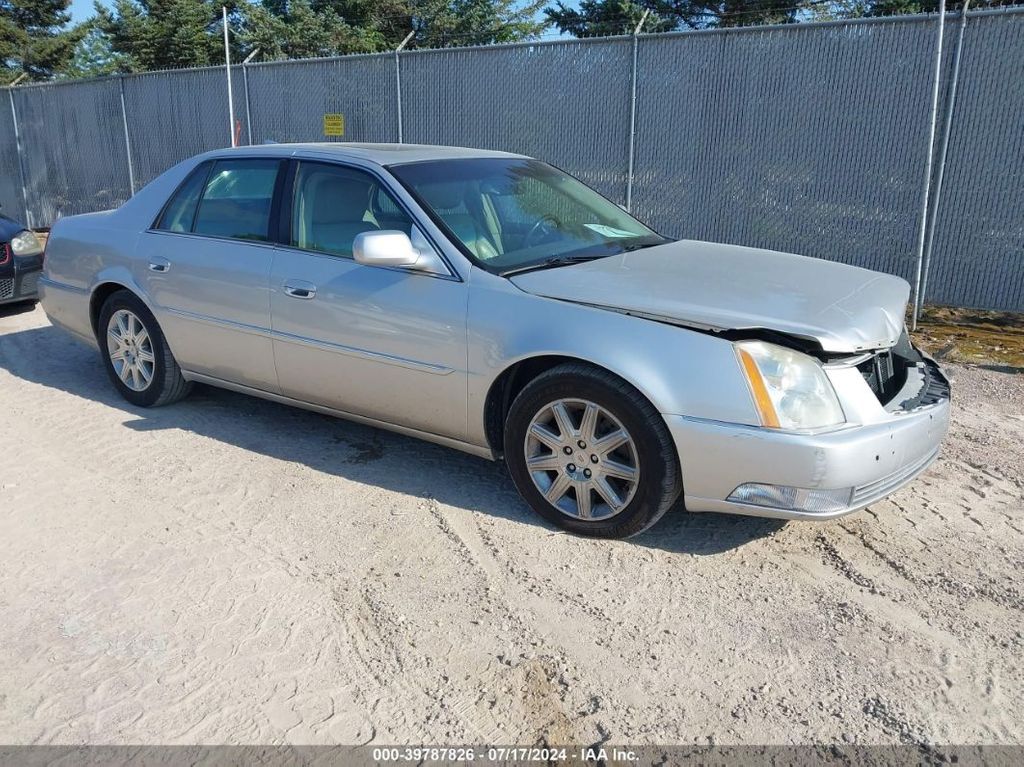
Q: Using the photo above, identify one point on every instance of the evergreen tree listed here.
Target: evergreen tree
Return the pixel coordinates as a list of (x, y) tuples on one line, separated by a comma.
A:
[(598, 18), (93, 57), (34, 38), (620, 17), (170, 34), (301, 28), (444, 23), (297, 29), (166, 34)]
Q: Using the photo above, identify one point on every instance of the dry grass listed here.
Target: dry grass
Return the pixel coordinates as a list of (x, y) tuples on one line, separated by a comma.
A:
[(972, 336)]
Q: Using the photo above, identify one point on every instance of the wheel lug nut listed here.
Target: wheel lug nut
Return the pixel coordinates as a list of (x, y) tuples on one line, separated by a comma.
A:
[(586, 473), (567, 450), (582, 444), (571, 467), (593, 459)]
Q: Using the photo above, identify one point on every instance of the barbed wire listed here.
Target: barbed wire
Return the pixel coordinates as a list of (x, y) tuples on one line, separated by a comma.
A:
[(491, 36)]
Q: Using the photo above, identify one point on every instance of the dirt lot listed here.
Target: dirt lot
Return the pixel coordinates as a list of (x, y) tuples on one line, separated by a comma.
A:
[(229, 570)]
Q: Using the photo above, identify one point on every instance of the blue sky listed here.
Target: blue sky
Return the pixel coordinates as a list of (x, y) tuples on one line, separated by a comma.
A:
[(81, 10)]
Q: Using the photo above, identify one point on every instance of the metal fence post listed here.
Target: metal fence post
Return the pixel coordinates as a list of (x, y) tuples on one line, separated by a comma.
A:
[(632, 113), (227, 69), (943, 150), (127, 139), (245, 87), (21, 160), (928, 164), (398, 81)]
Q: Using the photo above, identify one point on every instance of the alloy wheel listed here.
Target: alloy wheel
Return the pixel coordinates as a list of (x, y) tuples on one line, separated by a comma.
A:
[(582, 459), (131, 350)]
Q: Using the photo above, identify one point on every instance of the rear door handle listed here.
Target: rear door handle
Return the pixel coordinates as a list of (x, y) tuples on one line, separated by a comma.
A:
[(159, 265), (299, 289)]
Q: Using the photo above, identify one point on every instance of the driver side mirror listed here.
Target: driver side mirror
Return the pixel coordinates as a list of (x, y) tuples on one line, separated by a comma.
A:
[(391, 247)]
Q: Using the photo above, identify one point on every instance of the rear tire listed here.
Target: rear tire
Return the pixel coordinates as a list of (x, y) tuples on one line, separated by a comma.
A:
[(136, 355), (557, 438)]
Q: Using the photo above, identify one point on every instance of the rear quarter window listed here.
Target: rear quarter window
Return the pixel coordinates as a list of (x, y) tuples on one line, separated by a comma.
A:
[(180, 212)]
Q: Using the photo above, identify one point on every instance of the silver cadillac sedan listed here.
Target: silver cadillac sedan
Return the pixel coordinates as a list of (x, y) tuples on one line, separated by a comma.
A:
[(492, 303)]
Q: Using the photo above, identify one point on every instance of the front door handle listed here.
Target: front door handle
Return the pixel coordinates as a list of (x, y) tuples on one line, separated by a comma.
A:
[(299, 289), (160, 265)]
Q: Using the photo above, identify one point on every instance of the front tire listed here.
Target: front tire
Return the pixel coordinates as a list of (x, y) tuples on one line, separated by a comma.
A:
[(136, 355), (590, 453)]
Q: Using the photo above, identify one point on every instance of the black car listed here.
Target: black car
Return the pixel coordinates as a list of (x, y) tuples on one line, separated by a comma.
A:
[(21, 262)]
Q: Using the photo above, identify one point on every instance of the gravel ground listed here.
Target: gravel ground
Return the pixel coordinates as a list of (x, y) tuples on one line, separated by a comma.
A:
[(231, 570)]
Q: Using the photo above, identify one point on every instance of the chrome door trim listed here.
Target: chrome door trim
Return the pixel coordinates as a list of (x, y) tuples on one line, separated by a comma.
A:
[(214, 237), (481, 451), (216, 322), (451, 277)]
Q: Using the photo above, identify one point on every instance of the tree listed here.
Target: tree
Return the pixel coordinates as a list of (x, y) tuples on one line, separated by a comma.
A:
[(441, 23), (620, 17), (34, 38), (166, 34), (598, 18), (298, 29), (93, 57), (302, 28), (170, 34)]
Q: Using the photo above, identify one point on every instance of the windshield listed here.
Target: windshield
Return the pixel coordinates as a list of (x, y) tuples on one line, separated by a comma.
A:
[(513, 214)]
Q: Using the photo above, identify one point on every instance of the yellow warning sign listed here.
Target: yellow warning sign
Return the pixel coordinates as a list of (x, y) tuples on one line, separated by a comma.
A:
[(334, 125)]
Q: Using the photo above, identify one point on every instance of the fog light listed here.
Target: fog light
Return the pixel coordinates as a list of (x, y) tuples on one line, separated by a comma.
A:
[(792, 498)]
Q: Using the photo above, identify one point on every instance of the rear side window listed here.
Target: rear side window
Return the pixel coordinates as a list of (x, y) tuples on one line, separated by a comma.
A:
[(236, 200), (180, 212)]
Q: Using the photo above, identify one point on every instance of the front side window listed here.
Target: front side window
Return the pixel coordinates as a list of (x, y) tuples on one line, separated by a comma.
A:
[(237, 198), (511, 214), (334, 204)]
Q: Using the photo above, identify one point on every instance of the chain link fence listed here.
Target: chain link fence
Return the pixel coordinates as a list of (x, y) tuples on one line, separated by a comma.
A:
[(809, 138), (171, 116), (978, 259)]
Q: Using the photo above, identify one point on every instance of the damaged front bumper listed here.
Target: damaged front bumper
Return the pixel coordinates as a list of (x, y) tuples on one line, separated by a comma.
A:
[(737, 469)]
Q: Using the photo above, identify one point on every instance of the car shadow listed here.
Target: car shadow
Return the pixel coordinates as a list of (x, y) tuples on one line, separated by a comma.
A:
[(48, 357), (19, 307)]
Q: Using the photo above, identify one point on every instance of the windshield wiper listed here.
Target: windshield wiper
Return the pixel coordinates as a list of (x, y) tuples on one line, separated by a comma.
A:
[(641, 245), (550, 263)]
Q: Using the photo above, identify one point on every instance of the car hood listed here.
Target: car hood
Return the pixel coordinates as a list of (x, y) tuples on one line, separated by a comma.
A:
[(729, 287), (8, 228)]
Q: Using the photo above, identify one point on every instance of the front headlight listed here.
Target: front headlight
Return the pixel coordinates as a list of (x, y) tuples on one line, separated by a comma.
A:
[(790, 389), (25, 243)]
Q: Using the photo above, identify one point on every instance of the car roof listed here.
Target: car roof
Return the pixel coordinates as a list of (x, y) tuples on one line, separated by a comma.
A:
[(381, 154)]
